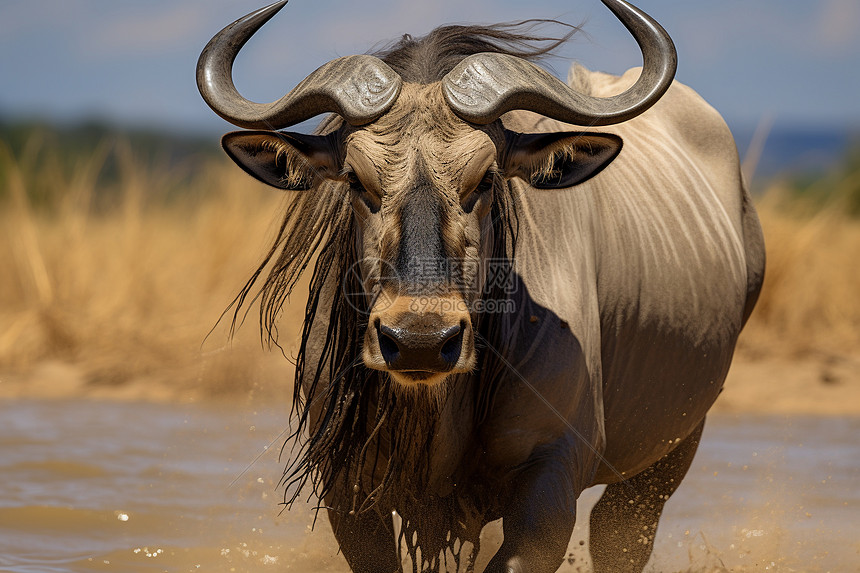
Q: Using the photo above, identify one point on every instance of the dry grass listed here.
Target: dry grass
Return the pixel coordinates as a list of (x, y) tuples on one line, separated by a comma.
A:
[(126, 289), (810, 302)]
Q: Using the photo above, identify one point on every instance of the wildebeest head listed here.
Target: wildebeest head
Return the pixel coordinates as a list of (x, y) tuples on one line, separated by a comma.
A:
[(421, 155)]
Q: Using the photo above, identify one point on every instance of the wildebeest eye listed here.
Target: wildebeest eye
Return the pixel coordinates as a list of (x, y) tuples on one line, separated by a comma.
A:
[(482, 189), (369, 199)]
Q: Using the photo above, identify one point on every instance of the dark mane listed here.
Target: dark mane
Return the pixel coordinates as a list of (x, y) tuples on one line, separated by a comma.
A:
[(335, 451), (427, 59)]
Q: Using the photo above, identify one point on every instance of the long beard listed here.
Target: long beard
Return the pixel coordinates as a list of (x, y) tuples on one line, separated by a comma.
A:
[(437, 529)]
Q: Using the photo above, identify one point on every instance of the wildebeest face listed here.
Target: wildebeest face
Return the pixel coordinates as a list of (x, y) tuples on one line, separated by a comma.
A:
[(419, 154), (421, 182)]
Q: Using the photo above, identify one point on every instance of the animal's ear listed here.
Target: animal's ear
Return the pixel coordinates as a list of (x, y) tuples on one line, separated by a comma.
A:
[(285, 160), (558, 160)]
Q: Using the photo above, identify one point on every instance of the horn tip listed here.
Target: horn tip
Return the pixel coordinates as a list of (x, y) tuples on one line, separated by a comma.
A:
[(270, 10)]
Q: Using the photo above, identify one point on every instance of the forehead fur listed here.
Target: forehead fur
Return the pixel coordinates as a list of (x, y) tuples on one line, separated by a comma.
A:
[(419, 130)]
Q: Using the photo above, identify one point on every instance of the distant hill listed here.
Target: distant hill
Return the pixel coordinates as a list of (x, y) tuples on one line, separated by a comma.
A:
[(76, 140), (51, 154), (793, 151), (788, 151)]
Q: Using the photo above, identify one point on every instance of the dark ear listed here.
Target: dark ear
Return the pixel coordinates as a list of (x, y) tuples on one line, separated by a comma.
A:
[(285, 160), (558, 160)]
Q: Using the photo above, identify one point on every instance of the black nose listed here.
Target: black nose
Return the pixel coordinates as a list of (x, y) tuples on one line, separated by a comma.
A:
[(410, 349)]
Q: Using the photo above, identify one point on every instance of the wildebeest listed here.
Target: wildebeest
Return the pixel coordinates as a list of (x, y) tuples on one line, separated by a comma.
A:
[(622, 265)]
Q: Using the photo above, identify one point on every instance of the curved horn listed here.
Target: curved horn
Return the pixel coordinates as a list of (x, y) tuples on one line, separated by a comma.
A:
[(484, 86), (358, 88)]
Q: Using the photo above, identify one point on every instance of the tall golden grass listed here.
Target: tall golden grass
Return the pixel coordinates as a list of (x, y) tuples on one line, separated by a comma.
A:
[(127, 289), (810, 302)]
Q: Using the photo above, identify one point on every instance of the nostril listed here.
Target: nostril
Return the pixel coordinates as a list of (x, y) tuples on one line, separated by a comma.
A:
[(420, 349), (453, 345), (387, 343)]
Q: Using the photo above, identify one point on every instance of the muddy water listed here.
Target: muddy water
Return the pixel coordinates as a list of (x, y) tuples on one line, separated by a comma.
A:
[(95, 486)]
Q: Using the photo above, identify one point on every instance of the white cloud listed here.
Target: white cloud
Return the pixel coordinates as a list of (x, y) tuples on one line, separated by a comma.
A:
[(796, 29), (146, 31), (18, 20), (387, 21), (107, 51), (838, 25)]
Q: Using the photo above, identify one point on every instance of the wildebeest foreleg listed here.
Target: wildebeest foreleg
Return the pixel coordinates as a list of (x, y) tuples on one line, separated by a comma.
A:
[(624, 521), (366, 540), (539, 520)]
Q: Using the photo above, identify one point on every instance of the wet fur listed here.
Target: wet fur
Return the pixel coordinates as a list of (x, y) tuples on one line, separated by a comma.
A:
[(367, 430)]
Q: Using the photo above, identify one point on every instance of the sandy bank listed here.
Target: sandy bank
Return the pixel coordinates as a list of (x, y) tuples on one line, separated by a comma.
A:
[(813, 384)]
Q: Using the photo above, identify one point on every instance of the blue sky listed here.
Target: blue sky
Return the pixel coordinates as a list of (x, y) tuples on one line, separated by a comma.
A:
[(133, 61)]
